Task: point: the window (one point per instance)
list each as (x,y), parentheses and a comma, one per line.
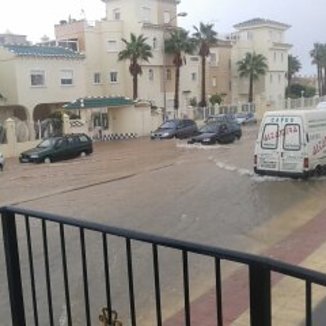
(279,78)
(168,74)
(193,76)
(214,82)
(275,56)
(97,78)
(113,77)
(83,139)
(271,35)
(213,59)
(146,14)
(37,78)
(269,139)
(291,140)
(282,57)
(116,14)
(112,45)
(151,74)
(67,77)
(250,36)
(100,120)
(271,78)
(167,17)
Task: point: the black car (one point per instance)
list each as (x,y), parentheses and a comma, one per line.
(58,148)
(223,117)
(235,128)
(178,128)
(213,133)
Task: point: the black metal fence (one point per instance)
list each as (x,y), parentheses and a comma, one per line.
(25,272)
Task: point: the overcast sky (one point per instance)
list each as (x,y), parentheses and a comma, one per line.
(36,18)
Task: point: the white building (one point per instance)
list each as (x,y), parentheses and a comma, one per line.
(102,43)
(265,37)
(35,80)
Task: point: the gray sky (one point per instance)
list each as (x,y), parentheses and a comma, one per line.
(35,18)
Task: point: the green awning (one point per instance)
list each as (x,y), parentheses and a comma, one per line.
(98,102)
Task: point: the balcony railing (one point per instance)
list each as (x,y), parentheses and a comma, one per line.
(30,238)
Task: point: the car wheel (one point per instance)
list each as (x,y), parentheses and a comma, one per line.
(83,154)
(318,171)
(47,160)
(1,167)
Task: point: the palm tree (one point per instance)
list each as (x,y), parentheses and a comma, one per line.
(317,59)
(178,44)
(253,65)
(136,49)
(205,37)
(294,65)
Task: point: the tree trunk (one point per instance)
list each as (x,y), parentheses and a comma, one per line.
(176,92)
(289,79)
(320,80)
(324,83)
(203,82)
(251,88)
(135,86)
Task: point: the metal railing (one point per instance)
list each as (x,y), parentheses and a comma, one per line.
(32,229)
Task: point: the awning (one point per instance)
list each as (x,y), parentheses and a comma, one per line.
(98,102)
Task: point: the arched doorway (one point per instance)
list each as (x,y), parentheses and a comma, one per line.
(47,122)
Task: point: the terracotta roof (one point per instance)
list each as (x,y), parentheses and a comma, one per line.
(98,102)
(260,21)
(42,51)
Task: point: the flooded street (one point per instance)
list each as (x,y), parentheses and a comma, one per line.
(203,194)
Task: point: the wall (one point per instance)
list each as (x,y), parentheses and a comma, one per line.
(221,71)
(8,77)
(131,120)
(13,148)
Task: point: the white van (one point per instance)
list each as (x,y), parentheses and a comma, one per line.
(321,105)
(291,143)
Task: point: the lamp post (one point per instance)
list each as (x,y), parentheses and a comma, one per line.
(165,27)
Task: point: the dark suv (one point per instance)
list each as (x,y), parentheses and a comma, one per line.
(175,128)
(58,148)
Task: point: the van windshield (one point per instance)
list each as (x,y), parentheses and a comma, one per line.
(292,137)
(270,136)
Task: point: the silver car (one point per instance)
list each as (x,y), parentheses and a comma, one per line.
(2,162)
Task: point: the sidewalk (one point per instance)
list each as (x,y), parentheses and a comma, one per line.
(296,237)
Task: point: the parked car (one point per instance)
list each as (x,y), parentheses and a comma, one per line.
(245,118)
(321,105)
(232,124)
(235,128)
(58,148)
(2,162)
(175,128)
(220,118)
(213,133)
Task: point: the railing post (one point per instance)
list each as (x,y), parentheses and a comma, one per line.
(13,268)
(260,296)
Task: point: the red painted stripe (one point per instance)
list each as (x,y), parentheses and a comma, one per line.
(293,249)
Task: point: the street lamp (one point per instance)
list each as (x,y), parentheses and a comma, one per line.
(165,27)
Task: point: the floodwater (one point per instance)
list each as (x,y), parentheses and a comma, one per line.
(205,194)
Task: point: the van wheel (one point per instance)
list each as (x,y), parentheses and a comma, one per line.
(47,160)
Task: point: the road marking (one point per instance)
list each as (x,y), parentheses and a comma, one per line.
(63,317)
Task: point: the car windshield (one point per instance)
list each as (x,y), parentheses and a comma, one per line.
(168,125)
(241,115)
(210,128)
(46,143)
